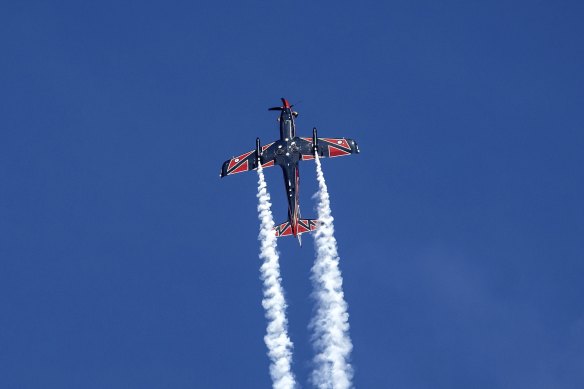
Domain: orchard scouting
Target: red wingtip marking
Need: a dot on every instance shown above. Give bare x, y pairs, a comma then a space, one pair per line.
305, 157
243, 168
235, 160
343, 142
336, 152
268, 164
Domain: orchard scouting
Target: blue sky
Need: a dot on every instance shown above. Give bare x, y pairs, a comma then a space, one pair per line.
125, 262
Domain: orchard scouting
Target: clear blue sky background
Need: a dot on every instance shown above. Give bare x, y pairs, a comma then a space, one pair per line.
125, 262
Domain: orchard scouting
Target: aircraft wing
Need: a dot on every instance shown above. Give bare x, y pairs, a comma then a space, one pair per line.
328, 147
247, 161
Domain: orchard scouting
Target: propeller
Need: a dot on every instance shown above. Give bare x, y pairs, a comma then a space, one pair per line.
285, 104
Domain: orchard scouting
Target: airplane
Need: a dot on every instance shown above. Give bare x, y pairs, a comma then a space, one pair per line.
287, 152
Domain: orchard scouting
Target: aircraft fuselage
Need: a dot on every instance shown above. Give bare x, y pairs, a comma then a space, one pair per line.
287, 156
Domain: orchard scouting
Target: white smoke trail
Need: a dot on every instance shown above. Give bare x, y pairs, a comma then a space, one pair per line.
330, 324
279, 344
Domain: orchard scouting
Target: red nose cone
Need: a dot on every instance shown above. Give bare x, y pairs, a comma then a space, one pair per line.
286, 103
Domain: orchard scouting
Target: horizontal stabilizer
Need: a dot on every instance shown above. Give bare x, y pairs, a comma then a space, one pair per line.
304, 225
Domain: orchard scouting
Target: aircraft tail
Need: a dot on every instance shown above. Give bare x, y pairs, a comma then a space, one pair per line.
304, 225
